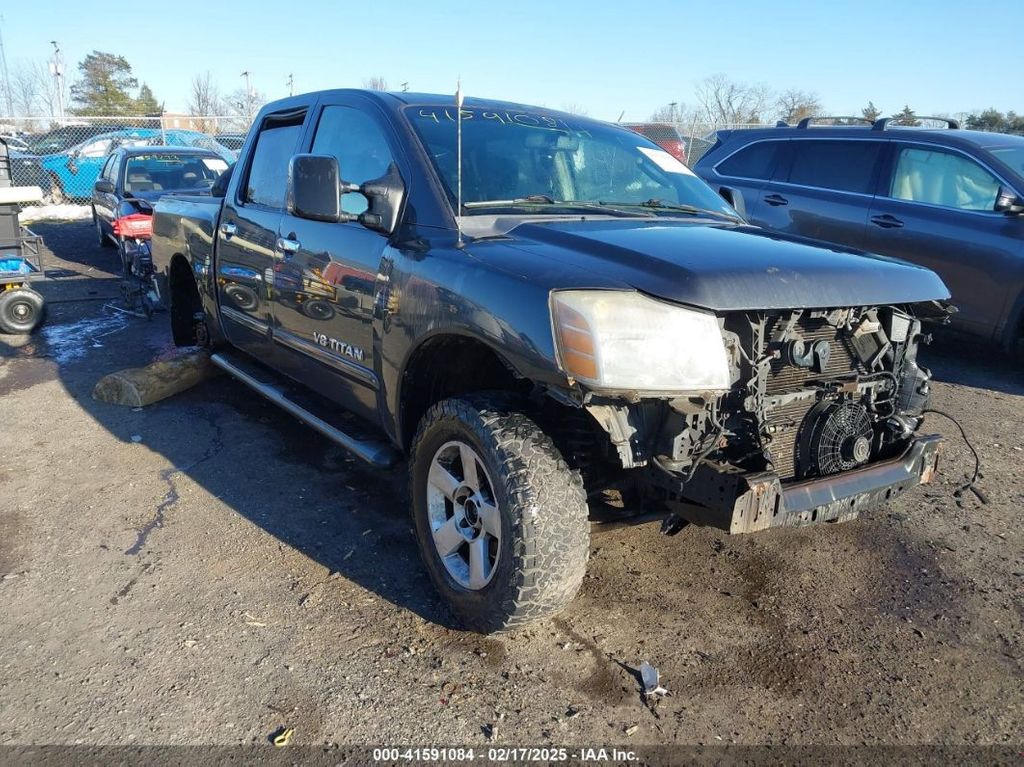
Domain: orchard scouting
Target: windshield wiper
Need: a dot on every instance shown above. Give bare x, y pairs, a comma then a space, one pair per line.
543, 199
692, 210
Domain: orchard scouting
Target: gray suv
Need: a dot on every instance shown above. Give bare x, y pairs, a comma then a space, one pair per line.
948, 199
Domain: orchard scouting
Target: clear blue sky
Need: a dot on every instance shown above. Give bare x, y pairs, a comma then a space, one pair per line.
607, 57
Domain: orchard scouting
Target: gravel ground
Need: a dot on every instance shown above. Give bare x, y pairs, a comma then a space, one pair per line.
207, 570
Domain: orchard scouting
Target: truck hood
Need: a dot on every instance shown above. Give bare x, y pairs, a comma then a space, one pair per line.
726, 268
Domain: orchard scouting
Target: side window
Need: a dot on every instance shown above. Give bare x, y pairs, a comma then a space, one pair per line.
108, 168
358, 142
846, 166
943, 178
755, 161
96, 148
268, 171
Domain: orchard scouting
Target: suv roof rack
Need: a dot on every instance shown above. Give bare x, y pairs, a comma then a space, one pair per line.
885, 122
808, 121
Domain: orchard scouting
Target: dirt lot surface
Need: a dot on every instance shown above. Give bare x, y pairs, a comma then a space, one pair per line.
207, 570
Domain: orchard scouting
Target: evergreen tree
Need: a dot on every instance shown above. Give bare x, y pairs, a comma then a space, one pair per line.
906, 116
871, 112
105, 86
146, 103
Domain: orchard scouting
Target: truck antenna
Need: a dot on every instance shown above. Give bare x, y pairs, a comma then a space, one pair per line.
458, 160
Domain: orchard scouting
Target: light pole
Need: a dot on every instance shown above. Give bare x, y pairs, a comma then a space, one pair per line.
291, 84
6, 76
57, 70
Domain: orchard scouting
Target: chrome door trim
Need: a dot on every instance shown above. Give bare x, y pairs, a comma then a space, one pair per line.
244, 319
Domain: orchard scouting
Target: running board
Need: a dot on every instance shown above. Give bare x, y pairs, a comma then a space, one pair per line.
377, 453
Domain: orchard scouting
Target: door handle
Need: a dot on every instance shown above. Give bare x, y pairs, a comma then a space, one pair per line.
287, 245
776, 199
886, 221
228, 230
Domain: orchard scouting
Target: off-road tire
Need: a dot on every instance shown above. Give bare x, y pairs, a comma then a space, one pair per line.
21, 311
542, 504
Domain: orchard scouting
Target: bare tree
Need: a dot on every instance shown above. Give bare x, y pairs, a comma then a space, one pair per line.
204, 100
244, 104
722, 101
27, 92
675, 113
794, 105
375, 83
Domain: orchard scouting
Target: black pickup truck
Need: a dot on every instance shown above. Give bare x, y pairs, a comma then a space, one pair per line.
593, 327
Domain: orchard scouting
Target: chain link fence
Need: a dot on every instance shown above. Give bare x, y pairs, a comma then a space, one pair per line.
64, 157
700, 136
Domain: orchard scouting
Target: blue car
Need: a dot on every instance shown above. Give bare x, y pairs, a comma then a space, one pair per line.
72, 174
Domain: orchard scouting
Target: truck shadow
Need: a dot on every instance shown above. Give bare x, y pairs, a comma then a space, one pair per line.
246, 454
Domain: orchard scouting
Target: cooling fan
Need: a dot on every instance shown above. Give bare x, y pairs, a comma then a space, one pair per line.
837, 437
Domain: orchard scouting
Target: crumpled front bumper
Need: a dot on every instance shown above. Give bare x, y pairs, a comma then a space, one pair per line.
745, 503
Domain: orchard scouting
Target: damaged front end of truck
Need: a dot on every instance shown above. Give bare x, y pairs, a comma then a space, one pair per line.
811, 415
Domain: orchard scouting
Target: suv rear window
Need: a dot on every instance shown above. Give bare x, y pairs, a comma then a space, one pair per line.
846, 166
754, 161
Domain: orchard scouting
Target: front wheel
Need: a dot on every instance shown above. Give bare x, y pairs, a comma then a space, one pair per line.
501, 519
57, 196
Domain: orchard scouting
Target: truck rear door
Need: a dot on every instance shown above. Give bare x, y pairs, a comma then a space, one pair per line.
248, 232
326, 279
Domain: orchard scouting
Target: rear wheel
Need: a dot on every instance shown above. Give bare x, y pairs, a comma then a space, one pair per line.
21, 310
502, 521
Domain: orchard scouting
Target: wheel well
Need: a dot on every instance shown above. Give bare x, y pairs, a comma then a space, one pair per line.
447, 366
185, 301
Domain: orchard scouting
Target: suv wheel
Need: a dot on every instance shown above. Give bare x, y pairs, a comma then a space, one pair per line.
501, 520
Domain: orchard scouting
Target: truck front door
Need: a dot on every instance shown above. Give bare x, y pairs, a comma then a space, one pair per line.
247, 235
326, 279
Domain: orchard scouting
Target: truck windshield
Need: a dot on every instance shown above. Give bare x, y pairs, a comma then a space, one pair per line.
514, 159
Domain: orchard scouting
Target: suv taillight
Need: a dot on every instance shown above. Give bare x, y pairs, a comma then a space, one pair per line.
134, 225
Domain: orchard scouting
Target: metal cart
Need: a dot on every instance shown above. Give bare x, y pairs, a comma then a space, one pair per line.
22, 308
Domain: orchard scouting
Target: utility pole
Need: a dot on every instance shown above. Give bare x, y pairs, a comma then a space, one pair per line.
57, 70
291, 85
405, 87
3, 71
248, 93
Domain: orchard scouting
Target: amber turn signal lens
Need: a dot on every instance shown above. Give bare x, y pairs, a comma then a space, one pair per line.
575, 342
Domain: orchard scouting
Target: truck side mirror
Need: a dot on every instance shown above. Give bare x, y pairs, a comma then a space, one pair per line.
1008, 202
386, 195
314, 187
735, 198
104, 186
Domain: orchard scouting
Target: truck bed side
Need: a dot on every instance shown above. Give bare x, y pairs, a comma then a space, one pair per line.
184, 231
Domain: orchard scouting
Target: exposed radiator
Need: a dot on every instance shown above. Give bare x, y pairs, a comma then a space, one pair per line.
786, 420
784, 377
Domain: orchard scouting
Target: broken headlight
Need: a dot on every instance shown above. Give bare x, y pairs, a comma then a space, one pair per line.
625, 341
